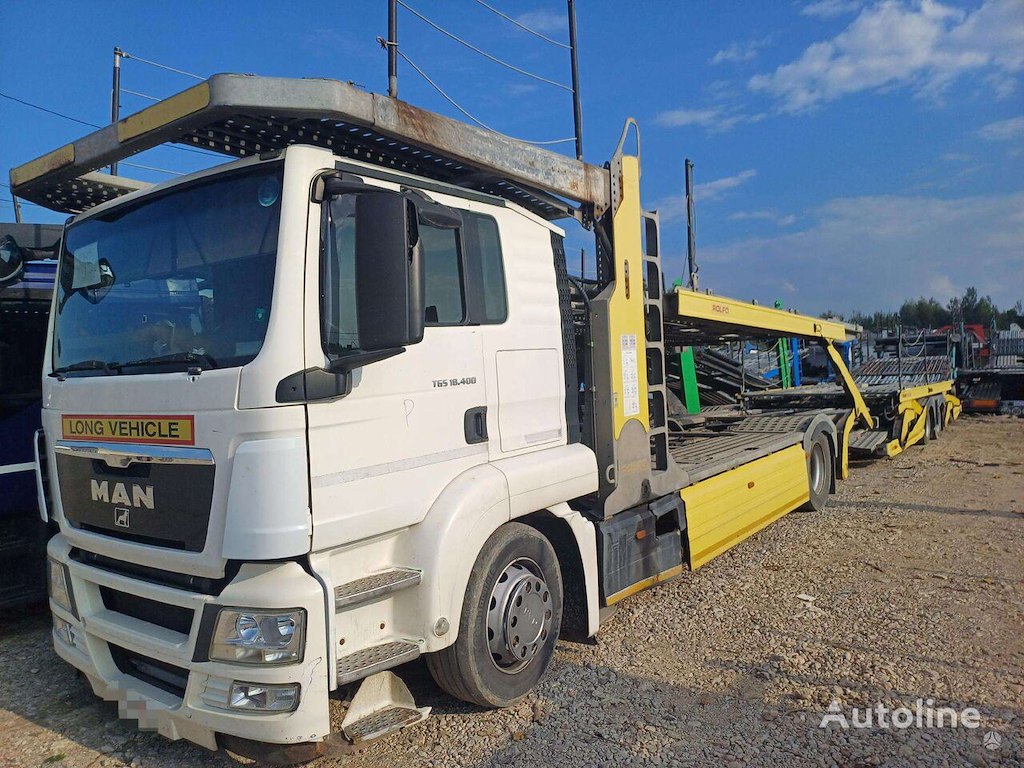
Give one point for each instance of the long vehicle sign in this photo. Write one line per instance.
(154, 430)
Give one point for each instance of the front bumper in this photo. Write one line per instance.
(150, 669)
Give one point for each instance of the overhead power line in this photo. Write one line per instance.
(151, 168)
(522, 26)
(141, 95)
(483, 53)
(459, 107)
(94, 125)
(50, 111)
(157, 64)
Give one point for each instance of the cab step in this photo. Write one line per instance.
(382, 705)
(375, 585)
(376, 658)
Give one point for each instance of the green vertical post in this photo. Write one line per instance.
(688, 376)
(785, 372)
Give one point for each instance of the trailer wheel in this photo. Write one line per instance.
(511, 617)
(929, 426)
(819, 473)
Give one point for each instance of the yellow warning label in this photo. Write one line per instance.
(155, 430)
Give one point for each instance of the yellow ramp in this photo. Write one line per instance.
(727, 508)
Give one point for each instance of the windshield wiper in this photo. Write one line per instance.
(203, 361)
(85, 365)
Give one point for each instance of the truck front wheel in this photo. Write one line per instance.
(510, 621)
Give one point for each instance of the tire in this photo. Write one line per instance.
(820, 468)
(929, 426)
(491, 663)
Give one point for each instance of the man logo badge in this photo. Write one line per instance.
(121, 517)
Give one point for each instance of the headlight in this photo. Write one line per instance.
(258, 637)
(264, 698)
(60, 586)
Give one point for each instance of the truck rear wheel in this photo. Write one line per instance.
(510, 621)
(819, 473)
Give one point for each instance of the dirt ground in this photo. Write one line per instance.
(910, 585)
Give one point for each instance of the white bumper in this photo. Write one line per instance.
(184, 698)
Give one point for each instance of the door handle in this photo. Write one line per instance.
(475, 425)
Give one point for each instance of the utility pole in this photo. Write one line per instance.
(17, 208)
(691, 227)
(577, 108)
(115, 97)
(392, 45)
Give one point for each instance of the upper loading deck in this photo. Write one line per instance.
(244, 115)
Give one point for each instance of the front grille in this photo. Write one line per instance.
(157, 504)
(152, 541)
(172, 617)
(159, 674)
(183, 581)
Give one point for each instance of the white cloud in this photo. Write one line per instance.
(829, 9)
(923, 45)
(711, 119)
(1003, 130)
(713, 190)
(773, 216)
(957, 157)
(740, 52)
(545, 21)
(874, 252)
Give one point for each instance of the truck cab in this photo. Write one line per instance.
(375, 381)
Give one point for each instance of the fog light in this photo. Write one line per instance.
(60, 587)
(63, 630)
(264, 698)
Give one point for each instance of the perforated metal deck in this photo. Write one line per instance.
(243, 115)
(704, 456)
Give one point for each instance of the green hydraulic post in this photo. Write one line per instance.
(785, 371)
(782, 350)
(688, 377)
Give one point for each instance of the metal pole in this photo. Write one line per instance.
(899, 354)
(115, 97)
(743, 369)
(691, 227)
(17, 208)
(393, 49)
(577, 109)
(583, 267)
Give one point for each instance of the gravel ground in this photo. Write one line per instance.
(908, 586)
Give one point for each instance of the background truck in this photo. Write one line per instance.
(27, 268)
(339, 404)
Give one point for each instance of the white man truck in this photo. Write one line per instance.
(338, 404)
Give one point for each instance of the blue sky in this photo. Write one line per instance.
(849, 154)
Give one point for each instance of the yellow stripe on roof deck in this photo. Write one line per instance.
(164, 112)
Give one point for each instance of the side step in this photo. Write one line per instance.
(375, 585)
(376, 658)
(382, 705)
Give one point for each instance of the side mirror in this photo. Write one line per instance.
(389, 272)
(12, 260)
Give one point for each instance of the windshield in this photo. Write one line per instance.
(177, 281)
